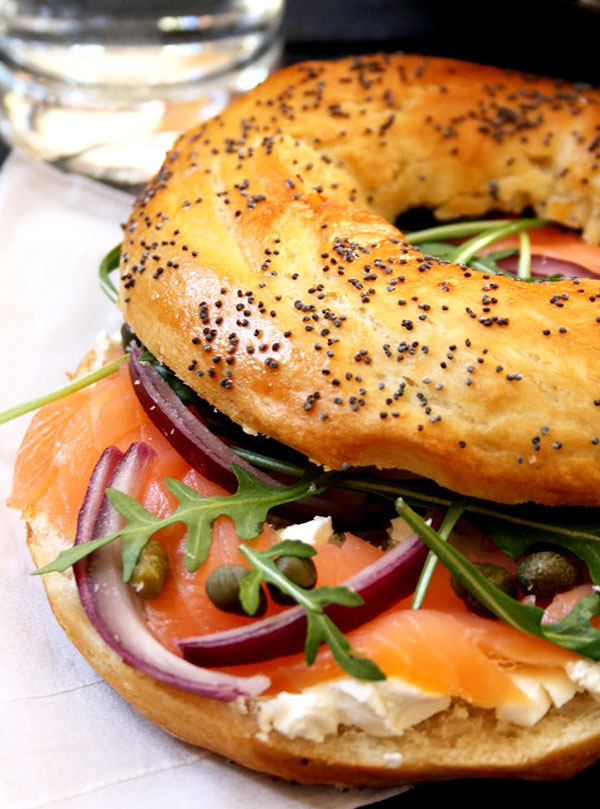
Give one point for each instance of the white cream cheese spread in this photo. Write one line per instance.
(390, 707)
(315, 532)
(586, 675)
(385, 708)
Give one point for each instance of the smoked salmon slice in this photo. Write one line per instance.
(441, 648)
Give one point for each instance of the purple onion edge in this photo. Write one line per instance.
(389, 579)
(88, 528)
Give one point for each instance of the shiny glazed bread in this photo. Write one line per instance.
(260, 266)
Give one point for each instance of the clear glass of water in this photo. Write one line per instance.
(103, 87)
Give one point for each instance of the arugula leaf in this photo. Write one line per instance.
(514, 540)
(77, 384)
(141, 525)
(320, 628)
(524, 267)
(250, 592)
(109, 263)
(454, 230)
(573, 632)
(453, 515)
(489, 262)
(465, 251)
(443, 250)
(248, 509)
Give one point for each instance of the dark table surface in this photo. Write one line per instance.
(552, 37)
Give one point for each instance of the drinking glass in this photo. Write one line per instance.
(104, 86)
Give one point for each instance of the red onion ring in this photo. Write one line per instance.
(212, 457)
(545, 266)
(386, 581)
(111, 605)
(183, 430)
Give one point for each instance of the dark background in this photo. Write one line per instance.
(552, 37)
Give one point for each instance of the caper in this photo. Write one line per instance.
(298, 570)
(546, 573)
(150, 573)
(497, 575)
(128, 337)
(223, 589)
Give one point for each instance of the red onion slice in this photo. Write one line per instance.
(192, 439)
(110, 604)
(212, 457)
(545, 266)
(386, 581)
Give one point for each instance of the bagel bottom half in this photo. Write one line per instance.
(461, 742)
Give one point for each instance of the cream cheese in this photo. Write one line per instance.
(390, 707)
(385, 708)
(317, 531)
(542, 688)
(586, 675)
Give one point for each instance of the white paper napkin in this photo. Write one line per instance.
(66, 738)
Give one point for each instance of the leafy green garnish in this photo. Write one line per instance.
(430, 242)
(320, 628)
(77, 384)
(444, 250)
(453, 230)
(489, 262)
(524, 267)
(453, 515)
(109, 263)
(573, 632)
(515, 540)
(248, 509)
(465, 251)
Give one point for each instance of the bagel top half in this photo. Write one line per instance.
(261, 267)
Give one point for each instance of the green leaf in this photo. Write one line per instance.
(337, 595)
(319, 627)
(69, 557)
(313, 637)
(443, 250)
(453, 515)
(109, 263)
(248, 508)
(290, 547)
(250, 592)
(514, 540)
(524, 267)
(454, 230)
(465, 251)
(360, 667)
(142, 524)
(77, 384)
(489, 262)
(576, 633)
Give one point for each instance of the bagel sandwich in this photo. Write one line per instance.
(260, 267)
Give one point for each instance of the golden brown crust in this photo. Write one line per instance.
(457, 743)
(258, 266)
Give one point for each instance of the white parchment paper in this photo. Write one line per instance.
(66, 738)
